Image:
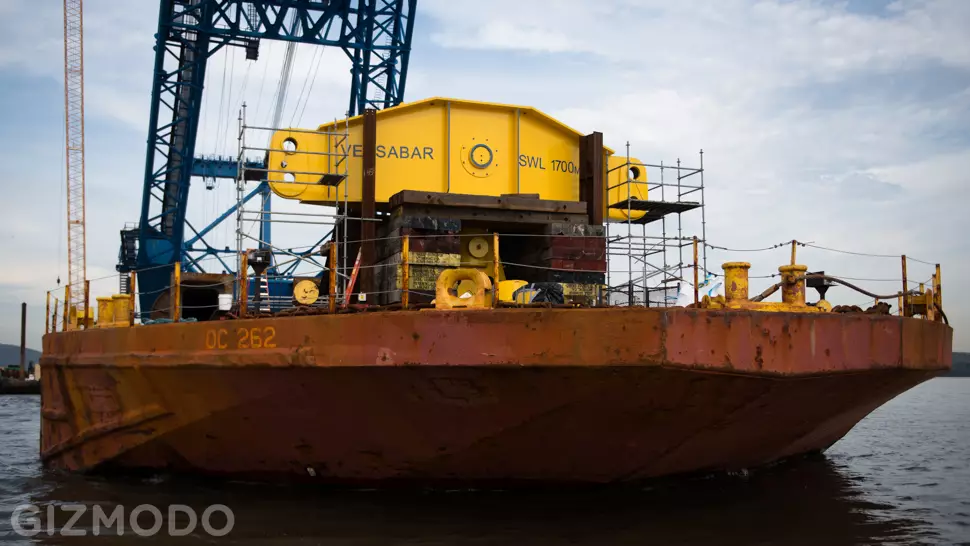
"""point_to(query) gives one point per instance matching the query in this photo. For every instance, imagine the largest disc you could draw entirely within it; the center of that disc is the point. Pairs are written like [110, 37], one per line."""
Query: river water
[900, 477]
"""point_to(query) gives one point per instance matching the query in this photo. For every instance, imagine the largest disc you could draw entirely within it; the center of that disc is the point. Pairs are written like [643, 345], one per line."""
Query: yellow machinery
[477, 251]
[114, 311]
[792, 291]
[450, 146]
[479, 289]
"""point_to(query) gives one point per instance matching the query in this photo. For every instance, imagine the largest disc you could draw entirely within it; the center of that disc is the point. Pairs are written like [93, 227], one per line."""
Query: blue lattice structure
[375, 35]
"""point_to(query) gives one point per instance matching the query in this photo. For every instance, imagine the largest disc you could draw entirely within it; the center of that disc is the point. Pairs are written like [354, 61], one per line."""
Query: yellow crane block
[449, 146]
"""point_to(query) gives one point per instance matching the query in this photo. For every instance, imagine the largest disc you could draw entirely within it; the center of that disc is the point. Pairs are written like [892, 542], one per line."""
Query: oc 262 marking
[241, 338]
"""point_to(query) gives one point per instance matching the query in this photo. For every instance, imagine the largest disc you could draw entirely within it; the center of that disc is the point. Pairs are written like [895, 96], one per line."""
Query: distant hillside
[961, 365]
[10, 354]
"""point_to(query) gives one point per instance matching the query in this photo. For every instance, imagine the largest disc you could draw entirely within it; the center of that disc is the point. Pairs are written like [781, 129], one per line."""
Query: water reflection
[900, 477]
[809, 502]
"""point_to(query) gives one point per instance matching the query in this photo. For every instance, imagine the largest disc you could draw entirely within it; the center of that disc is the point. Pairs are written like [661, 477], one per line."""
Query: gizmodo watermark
[144, 520]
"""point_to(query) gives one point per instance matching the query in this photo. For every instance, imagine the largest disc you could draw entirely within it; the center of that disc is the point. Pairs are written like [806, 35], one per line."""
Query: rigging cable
[773, 247]
[863, 253]
[262, 82]
[232, 70]
[242, 92]
[313, 80]
[284, 83]
[222, 98]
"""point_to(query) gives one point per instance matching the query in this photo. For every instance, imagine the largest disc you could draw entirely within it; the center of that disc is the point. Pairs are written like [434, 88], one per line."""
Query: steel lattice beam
[74, 131]
[375, 34]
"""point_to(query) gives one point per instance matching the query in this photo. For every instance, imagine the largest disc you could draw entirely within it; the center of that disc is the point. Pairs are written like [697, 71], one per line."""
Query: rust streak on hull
[504, 395]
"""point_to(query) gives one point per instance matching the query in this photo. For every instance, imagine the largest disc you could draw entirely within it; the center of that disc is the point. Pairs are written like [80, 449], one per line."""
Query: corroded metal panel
[501, 395]
[778, 343]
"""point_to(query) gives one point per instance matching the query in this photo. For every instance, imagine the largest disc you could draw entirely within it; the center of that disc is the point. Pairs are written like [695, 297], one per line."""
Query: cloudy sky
[843, 122]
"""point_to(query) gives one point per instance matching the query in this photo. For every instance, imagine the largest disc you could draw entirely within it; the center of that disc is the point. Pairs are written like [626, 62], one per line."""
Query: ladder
[264, 304]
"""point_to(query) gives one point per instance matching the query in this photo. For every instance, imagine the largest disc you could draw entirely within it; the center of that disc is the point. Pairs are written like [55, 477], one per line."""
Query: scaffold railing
[331, 220]
[650, 236]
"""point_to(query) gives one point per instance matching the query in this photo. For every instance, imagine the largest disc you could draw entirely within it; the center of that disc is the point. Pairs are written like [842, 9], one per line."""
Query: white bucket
[225, 302]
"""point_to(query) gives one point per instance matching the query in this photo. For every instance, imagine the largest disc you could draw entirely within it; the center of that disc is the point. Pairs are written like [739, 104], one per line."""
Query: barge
[462, 324]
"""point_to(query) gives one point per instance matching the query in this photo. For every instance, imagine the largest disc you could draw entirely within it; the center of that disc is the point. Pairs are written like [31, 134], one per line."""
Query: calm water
[900, 477]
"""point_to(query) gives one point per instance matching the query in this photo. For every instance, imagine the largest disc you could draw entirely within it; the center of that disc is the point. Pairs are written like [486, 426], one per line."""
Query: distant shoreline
[961, 365]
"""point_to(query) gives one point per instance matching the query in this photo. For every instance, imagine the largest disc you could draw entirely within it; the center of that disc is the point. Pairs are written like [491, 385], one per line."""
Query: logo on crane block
[481, 156]
[477, 159]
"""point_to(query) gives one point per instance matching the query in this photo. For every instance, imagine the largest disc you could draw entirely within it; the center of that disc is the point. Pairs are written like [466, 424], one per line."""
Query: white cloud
[850, 168]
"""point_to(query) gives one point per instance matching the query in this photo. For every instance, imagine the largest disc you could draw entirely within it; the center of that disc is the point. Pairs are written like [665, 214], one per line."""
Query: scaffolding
[286, 265]
[651, 238]
[654, 272]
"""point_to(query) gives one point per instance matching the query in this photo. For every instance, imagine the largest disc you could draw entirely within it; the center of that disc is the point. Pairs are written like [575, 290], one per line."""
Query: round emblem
[481, 155]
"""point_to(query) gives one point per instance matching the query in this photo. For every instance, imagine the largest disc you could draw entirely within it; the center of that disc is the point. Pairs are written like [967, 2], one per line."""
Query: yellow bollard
[793, 284]
[106, 313]
[736, 281]
[119, 309]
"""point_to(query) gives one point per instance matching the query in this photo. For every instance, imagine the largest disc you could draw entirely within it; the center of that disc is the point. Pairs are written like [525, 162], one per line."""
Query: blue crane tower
[374, 34]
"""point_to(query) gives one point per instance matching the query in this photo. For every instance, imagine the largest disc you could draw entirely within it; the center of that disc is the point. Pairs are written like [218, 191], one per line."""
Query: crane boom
[374, 34]
[74, 153]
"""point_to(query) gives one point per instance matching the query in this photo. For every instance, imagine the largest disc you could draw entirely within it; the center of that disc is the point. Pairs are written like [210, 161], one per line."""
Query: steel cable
[866, 254]
[856, 288]
[773, 247]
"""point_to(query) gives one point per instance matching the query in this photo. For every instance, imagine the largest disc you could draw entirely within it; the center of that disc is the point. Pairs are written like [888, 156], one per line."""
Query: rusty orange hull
[472, 397]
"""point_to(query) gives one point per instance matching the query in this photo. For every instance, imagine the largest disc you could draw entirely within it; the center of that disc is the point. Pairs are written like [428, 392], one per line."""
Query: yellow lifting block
[446, 297]
[449, 146]
[626, 178]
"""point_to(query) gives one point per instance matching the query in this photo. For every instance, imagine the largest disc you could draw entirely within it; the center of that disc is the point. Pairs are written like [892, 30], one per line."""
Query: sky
[841, 122]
